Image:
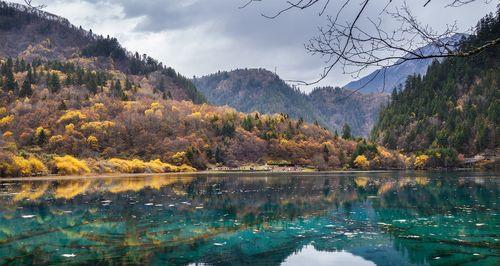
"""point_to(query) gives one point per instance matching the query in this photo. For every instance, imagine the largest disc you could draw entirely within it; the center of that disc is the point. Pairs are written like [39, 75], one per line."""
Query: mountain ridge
[261, 90]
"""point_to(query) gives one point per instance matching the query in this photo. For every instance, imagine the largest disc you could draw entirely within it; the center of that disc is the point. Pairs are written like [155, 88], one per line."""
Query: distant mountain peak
[394, 76]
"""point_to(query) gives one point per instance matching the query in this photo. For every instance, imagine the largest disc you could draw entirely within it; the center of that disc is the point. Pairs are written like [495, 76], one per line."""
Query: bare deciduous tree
[353, 46]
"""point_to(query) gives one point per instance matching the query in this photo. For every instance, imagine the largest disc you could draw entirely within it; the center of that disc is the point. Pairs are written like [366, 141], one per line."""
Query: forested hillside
[260, 90]
[454, 108]
[32, 34]
[56, 112]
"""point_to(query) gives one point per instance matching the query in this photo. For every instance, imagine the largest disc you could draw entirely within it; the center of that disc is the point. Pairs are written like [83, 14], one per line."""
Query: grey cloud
[248, 24]
[255, 39]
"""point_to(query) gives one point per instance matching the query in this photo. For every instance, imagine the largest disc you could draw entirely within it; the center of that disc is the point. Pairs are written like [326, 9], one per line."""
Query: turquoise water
[392, 218]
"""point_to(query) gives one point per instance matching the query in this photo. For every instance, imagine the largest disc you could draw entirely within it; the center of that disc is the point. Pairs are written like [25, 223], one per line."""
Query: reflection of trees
[69, 189]
[31, 191]
[227, 207]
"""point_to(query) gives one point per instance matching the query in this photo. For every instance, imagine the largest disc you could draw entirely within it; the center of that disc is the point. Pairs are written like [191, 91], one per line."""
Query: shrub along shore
[69, 165]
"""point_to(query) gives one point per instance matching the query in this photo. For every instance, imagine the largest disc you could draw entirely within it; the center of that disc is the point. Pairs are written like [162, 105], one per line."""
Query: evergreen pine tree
[41, 137]
[128, 84]
[17, 66]
[54, 84]
[247, 123]
[116, 89]
[26, 90]
[29, 76]
[10, 83]
[92, 84]
[9, 63]
[219, 157]
[346, 131]
[35, 75]
[22, 66]
[69, 80]
[326, 153]
[118, 86]
[161, 85]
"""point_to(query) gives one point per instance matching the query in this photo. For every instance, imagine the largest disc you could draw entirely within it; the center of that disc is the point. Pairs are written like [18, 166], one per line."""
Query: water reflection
[381, 218]
[310, 256]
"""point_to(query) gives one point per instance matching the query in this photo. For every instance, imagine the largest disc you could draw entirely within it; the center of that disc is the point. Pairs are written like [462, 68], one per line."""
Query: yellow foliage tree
[383, 152]
[37, 166]
[19, 167]
[195, 116]
[421, 161]
[98, 126]
[128, 166]
[98, 106]
[69, 165]
[361, 161]
[179, 157]
[56, 139]
[40, 130]
[70, 128]
[156, 105]
[149, 112]
[153, 166]
[155, 110]
[6, 120]
[72, 115]
[157, 166]
[93, 142]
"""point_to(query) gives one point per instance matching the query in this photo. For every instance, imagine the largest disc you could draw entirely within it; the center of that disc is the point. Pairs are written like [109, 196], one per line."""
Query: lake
[360, 218]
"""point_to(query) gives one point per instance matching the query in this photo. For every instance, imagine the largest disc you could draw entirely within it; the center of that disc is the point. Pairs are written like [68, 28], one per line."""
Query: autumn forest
[73, 103]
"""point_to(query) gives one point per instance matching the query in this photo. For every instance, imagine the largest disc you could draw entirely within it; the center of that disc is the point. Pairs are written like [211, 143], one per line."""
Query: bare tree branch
[31, 4]
[354, 48]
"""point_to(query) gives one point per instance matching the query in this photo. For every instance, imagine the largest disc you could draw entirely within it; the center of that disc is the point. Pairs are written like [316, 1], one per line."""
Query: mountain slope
[455, 106]
[260, 90]
[339, 106]
[32, 34]
[394, 76]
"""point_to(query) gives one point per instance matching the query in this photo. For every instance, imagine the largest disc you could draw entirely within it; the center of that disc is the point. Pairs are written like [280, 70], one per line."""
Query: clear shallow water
[366, 218]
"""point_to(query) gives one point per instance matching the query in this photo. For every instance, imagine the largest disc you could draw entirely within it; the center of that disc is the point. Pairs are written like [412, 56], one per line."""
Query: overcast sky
[199, 37]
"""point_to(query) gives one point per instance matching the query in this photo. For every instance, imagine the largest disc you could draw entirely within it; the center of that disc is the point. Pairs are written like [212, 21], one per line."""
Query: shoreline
[178, 174]
[212, 173]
